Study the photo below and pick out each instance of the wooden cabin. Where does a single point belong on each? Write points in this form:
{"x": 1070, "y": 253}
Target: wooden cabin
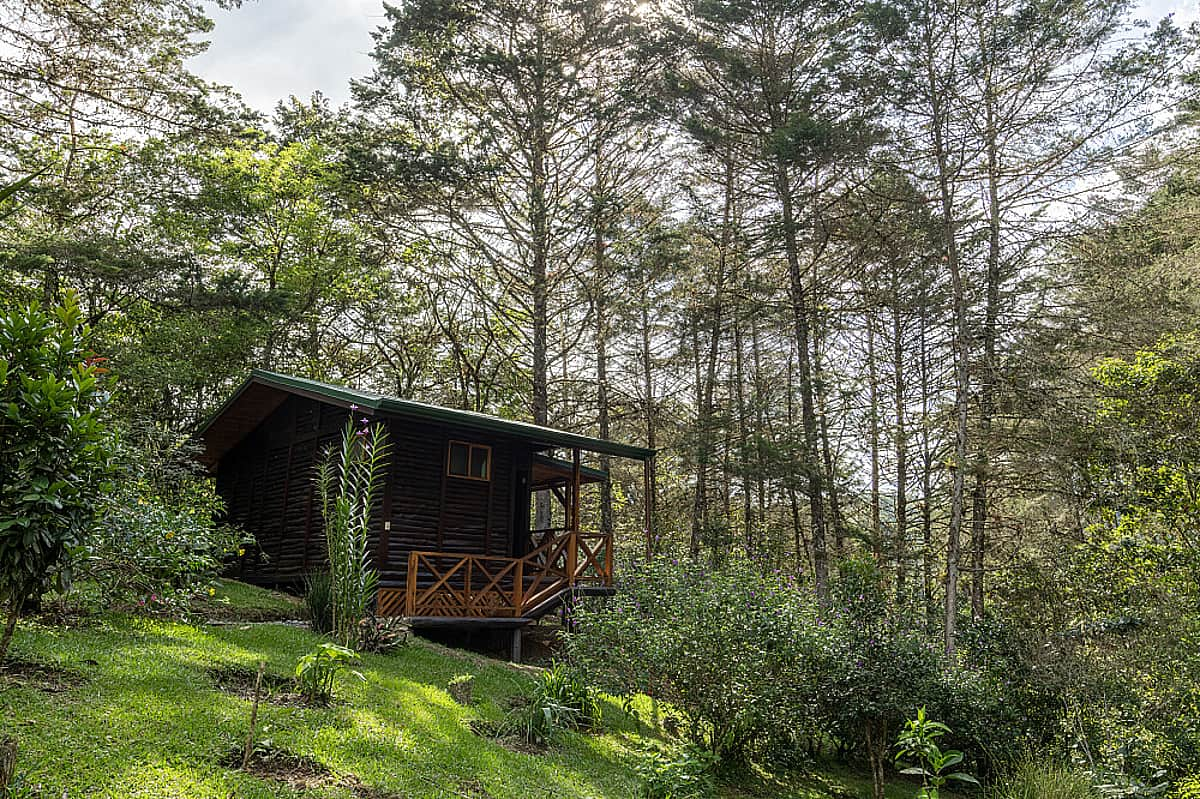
{"x": 452, "y": 536}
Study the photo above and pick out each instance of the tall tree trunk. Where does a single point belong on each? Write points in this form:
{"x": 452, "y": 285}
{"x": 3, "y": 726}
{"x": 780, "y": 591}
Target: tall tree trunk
{"x": 600, "y": 266}
{"x": 926, "y": 469}
{"x": 743, "y": 434}
{"x": 830, "y": 478}
{"x": 900, "y": 441}
{"x": 961, "y": 343}
{"x": 647, "y": 358}
{"x": 803, "y": 549}
{"x": 707, "y": 382}
{"x": 808, "y": 416}
{"x": 991, "y": 366}
{"x": 760, "y": 427}
{"x": 873, "y": 433}
{"x": 700, "y": 495}
{"x": 540, "y": 244}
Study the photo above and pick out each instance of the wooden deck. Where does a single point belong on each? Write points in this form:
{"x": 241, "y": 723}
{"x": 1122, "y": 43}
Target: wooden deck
{"x": 469, "y": 586}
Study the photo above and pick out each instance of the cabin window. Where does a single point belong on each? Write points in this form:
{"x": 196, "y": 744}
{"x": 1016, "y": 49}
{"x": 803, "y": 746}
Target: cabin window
{"x": 470, "y": 461}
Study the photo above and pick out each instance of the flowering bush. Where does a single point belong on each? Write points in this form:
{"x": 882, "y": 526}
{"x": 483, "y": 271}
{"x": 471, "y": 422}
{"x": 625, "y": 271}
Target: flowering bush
{"x": 157, "y": 541}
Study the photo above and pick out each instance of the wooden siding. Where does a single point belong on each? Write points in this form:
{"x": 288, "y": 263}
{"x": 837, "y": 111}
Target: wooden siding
{"x": 266, "y": 481}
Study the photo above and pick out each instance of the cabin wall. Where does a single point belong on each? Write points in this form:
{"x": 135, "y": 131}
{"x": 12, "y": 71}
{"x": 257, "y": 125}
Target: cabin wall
{"x": 267, "y": 485}
{"x": 432, "y": 511}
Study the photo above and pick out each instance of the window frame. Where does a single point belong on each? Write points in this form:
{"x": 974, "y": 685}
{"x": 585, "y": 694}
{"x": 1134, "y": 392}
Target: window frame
{"x": 471, "y": 447}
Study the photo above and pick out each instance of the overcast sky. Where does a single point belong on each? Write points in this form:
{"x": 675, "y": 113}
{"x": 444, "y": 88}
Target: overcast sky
{"x": 270, "y": 49}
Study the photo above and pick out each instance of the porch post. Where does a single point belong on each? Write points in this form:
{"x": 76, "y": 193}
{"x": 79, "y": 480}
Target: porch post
{"x": 410, "y": 594}
{"x": 573, "y": 545}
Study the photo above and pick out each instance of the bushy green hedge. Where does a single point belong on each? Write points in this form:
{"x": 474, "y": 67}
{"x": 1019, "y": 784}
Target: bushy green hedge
{"x": 753, "y": 665}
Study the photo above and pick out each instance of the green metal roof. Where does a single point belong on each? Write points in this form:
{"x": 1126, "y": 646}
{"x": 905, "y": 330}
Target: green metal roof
{"x": 418, "y": 410}
{"x": 594, "y": 475}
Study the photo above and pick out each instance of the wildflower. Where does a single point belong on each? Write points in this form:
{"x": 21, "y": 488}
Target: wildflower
{"x": 354, "y": 407}
{"x": 211, "y": 591}
{"x": 241, "y": 551}
{"x": 365, "y": 420}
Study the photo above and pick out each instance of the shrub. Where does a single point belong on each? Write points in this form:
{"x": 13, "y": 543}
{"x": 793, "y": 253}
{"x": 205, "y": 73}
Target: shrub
{"x": 316, "y": 671}
{"x": 54, "y": 449}
{"x": 558, "y": 700}
{"x": 156, "y": 540}
{"x": 685, "y": 774}
{"x": 536, "y": 721}
{"x": 382, "y": 634}
{"x": 347, "y": 490}
{"x": 1043, "y": 779}
{"x": 318, "y": 601}
{"x": 872, "y": 671}
{"x": 566, "y": 687}
{"x": 919, "y": 742}
{"x": 718, "y": 646}
{"x": 755, "y": 669}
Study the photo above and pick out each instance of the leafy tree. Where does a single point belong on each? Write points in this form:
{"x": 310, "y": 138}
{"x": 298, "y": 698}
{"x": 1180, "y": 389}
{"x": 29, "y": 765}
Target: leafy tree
{"x": 55, "y": 449}
{"x": 765, "y": 84}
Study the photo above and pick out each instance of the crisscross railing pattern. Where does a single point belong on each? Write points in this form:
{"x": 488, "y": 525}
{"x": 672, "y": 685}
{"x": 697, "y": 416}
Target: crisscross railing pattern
{"x": 487, "y": 586}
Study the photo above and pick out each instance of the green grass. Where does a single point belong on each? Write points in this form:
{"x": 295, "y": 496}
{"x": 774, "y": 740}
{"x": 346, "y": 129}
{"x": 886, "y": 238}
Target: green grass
{"x": 238, "y": 601}
{"x": 142, "y": 717}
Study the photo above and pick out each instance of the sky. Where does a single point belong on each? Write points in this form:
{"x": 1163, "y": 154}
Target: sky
{"x": 268, "y": 50}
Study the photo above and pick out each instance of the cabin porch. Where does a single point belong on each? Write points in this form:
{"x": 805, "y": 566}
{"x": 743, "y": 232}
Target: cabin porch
{"x": 444, "y": 589}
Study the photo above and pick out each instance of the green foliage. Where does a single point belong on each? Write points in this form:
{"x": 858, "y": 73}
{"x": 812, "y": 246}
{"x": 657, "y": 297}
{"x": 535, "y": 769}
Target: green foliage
{"x": 751, "y": 662}
{"x": 382, "y": 634}
{"x": 919, "y": 741}
{"x": 1031, "y": 778}
{"x": 559, "y": 700}
{"x": 318, "y": 601}
{"x": 1188, "y": 788}
{"x": 683, "y": 774}
{"x": 316, "y": 671}
{"x": 347, "y": 489}
{"x": 715, "y": 645}
{"x": 1126, "y": 603}
{"x": 159, "y": 542}
{"x": 564, "y": 686}
{"x": 55, "y": 450}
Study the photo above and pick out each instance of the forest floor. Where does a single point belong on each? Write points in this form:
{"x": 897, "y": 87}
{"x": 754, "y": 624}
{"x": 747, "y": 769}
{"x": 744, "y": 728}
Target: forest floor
{"x": 120, "y": 705}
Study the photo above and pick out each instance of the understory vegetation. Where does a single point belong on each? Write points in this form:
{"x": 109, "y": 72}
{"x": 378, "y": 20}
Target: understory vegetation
{"x": 128, "y": 705}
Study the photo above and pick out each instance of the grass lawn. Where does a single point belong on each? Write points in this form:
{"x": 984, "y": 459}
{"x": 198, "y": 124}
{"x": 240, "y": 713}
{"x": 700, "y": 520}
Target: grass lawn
{"x": 129, "y": 707}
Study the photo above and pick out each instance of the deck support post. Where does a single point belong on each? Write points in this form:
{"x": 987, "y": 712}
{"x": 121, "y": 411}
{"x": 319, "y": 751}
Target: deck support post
{"x": 573, "y": 550}
{"x": 515, "y": 646}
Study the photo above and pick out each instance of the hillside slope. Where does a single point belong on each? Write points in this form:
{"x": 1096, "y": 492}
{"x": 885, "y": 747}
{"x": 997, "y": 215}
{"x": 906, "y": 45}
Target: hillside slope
{"x": 129, "y": 706}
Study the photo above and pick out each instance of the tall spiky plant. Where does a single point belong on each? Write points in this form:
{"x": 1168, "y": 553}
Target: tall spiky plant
{"x": 348, "y": 479}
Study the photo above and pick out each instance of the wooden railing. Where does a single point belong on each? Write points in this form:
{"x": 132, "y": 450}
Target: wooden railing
{"x": 460, "y": 585}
